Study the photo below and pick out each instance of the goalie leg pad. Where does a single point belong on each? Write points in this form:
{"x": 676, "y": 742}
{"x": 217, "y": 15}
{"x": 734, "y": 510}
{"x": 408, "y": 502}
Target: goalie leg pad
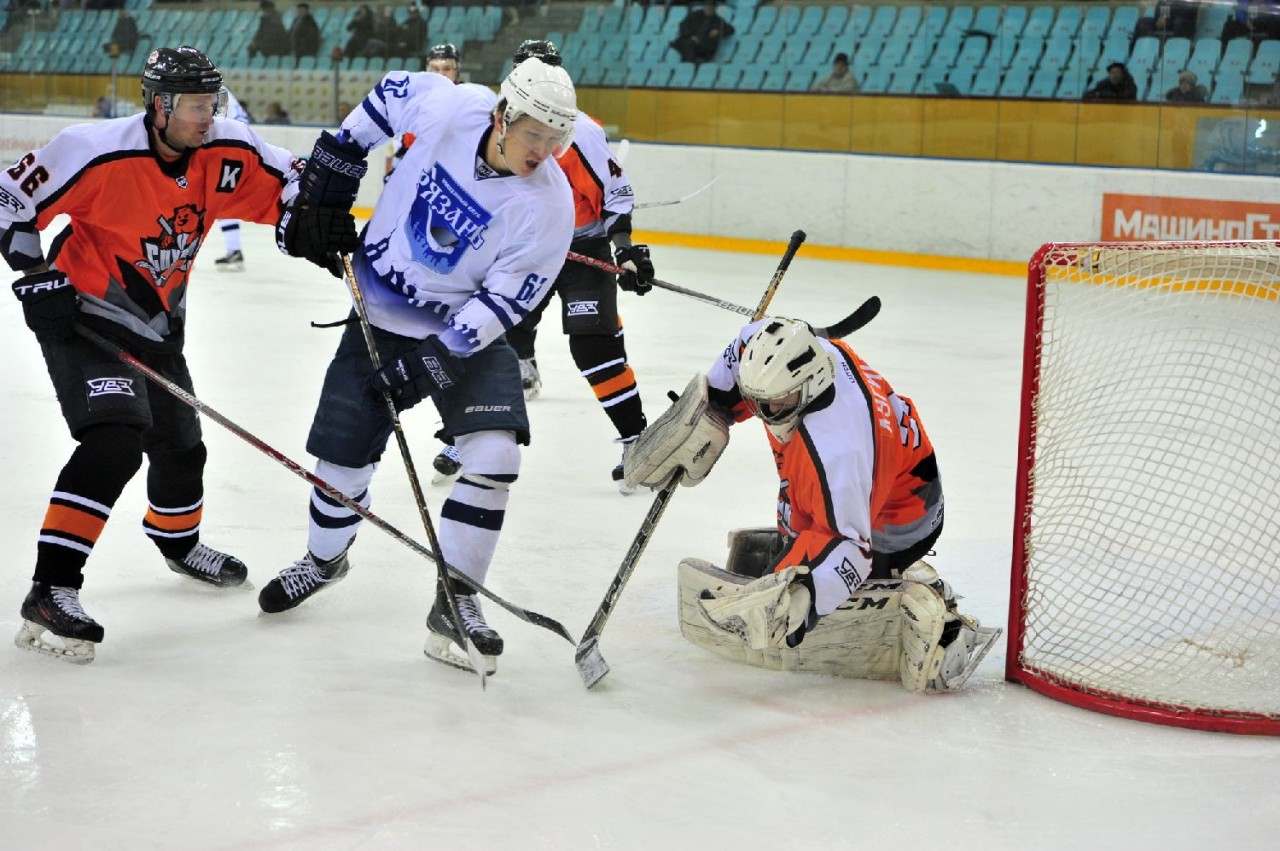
{"x": 687, "y": 436}
{"x": 924, "y": 615}
{"x": 862, "y": 638}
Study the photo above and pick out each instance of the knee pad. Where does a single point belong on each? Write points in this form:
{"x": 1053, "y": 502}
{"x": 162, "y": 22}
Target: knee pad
{"x": 489, "y": 458}
{"x": 351, "y": 481}
{"x": 116, "y": 450}
{"x": 189, "y": 461}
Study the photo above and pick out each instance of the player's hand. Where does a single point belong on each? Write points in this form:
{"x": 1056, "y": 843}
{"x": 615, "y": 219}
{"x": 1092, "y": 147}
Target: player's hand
{"x": 637, "y": 276}
{"x": 50, "y": 304}
{"x": 318, "y": 234}
{"x": 429, "y": 371}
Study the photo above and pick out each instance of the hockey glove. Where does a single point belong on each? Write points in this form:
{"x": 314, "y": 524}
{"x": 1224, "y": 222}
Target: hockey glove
{"x": 318, "y": 234}
{"x": 430, "y": 370}
{"x": 49, "y": 303}
{"x": 333, "y": 172}
{"x": 637, "y": 276}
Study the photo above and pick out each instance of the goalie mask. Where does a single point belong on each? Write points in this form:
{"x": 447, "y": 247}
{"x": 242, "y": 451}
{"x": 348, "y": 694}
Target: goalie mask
{"x": 544, "y": 93}
{"x": 783, "y": 369}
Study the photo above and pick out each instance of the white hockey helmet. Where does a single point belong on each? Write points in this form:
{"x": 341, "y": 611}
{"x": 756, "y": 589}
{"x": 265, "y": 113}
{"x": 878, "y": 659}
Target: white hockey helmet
{"x": 784, "y": 368}
{"x": 544, "y": 93}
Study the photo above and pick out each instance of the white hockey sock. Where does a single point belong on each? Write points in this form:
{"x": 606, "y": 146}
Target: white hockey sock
{"x": 332, "y": 525}
{"x": 471, "y": 518}
{"x": 231, "y": 236}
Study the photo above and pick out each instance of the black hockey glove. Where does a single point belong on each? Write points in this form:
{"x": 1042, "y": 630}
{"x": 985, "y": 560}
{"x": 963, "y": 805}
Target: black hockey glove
{"x": 811, "y": 619}
{"x": 49, "y": 303}
{"x": 318, "y": 234}
{"x": 430, "y": 370}
{"x": 332, "y": 175}
{"x": 637, "y": 276}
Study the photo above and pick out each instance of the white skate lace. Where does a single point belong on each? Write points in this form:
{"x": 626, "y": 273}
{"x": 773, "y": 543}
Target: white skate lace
{"x": 301, "y": 576}
{"x": 68, "y": 600}
{"x": 205, "y": 559}
{"x": 469, "y": 611}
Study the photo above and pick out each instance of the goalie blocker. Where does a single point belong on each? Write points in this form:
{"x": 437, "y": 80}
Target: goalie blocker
{"x": 908, "y": 628}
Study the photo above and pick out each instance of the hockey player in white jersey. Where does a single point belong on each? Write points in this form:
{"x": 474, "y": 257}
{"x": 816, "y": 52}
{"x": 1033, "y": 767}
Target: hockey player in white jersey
{"x": 465, "y": 239}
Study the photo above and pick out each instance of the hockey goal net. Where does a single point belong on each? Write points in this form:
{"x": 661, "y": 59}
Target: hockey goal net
{"x": 1146, "y": 553}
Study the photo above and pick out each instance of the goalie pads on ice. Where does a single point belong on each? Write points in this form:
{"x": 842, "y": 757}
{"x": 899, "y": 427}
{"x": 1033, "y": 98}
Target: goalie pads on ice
{"x": 869, "y": 636}
{"x": 688, "y": 435}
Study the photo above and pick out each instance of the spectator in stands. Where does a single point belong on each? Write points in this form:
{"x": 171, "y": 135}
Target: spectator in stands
{"x": 1186, "y": 91}
{"x": 124, "y": 35}
{"x": 700, "y": 35}
{"x": 304, "y": 33}
{"x": 384, "y": 34}
{"x": 1117, "y": 85}
{"x": 102, "y": 108}
{"x": 276, "y": 114}
{"x": 1171, "y": 19}
{"x": 271, "y": 39}
{"x": 840, "y": 80}
{"x": 411, "y": 36}
{"x": 361, "y": 28}
{"x": 1256, "y": 19}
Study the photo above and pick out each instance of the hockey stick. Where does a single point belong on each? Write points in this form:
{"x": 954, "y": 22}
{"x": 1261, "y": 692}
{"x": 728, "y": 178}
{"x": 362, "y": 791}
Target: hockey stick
{"x": 677, "y": 200}
{"x": 606, "y": 266}
{"x": 526, "y": 615}
{"x": 591, "y": 665}
{"x": 451, "y": 599}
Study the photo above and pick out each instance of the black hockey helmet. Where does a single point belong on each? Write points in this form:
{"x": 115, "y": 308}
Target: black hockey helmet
{"x": 444, "y": 51}
{"x": 539, "y": 47}
{"x": 178, "y": 70}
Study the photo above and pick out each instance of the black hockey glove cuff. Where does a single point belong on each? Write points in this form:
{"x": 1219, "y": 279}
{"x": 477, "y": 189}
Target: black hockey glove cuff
{"x": 637, "y": 275}
{"x": 318, "y": 234}
{"x": 429, "y": 371}
{"x": 333, "y": 173}
{"x": 49, "y": 303}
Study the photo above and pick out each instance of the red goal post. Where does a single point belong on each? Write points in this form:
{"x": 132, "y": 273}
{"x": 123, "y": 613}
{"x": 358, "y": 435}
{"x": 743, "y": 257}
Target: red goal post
{"x": 1146, "y": 549}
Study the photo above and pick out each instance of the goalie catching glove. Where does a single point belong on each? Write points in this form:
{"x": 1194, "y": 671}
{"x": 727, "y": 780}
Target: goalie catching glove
{"x": 773, "y": 611}
{"x": 690, "y": 435}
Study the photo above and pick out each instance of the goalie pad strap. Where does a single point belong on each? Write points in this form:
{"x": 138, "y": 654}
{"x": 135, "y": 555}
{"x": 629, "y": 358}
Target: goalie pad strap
{"x": 689, "y": 435}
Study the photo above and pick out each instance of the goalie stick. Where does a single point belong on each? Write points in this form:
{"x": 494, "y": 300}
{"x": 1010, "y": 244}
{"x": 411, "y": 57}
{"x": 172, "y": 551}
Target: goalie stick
{"x": 526, "y": 615}
{"x": 591, "y": 664}
{"x": 415, "y": 484}
{"x": 860, "y": 317}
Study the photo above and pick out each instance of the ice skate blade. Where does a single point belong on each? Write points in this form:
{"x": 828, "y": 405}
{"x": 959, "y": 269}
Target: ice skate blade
{"x": 73, "y": 650}
{"x": 442, "y": 649}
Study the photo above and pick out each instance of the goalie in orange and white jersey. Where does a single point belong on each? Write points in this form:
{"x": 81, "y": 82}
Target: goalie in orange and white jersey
{"x": 839, "y": 585}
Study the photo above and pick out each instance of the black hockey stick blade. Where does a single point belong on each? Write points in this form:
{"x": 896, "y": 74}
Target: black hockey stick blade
{"x": 853, "y": 322}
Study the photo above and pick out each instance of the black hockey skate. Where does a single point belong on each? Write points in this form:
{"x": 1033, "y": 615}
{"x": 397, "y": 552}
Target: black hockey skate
{"x": 208, "y": 565}
{"x": 447, "y": 465}
{"x": 446, "y": 646}
{"x": 300, "y": 580}
{"x": 56, "y": 610}
{"x": 233, "y": 261}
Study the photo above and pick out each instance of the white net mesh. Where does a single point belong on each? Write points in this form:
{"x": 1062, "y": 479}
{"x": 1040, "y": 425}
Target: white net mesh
{"x": 1152, "y": 547}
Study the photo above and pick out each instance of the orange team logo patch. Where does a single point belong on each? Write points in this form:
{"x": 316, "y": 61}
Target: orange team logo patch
{"x": 174, "y": 249}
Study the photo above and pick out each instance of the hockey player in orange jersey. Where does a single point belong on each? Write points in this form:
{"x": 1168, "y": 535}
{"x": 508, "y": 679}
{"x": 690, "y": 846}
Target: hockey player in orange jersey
{"x": 859, "y": 504}
{"x": 142, "y": 193}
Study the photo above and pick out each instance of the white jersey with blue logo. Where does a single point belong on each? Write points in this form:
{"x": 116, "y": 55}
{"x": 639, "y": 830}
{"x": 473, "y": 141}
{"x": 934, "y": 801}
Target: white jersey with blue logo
{"x": 454, "y": 249}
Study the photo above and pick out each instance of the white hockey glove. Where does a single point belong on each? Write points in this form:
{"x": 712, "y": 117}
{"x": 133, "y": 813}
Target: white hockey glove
{"x": 690, "y": 435}
{"x": 773, "y": 611}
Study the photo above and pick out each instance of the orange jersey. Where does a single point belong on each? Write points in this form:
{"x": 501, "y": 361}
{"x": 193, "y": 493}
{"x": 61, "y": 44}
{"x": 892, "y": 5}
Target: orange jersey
{"x": 602, "y": 195}
{"x": 137, "y": 221}
{"x": 857, "y": 475}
